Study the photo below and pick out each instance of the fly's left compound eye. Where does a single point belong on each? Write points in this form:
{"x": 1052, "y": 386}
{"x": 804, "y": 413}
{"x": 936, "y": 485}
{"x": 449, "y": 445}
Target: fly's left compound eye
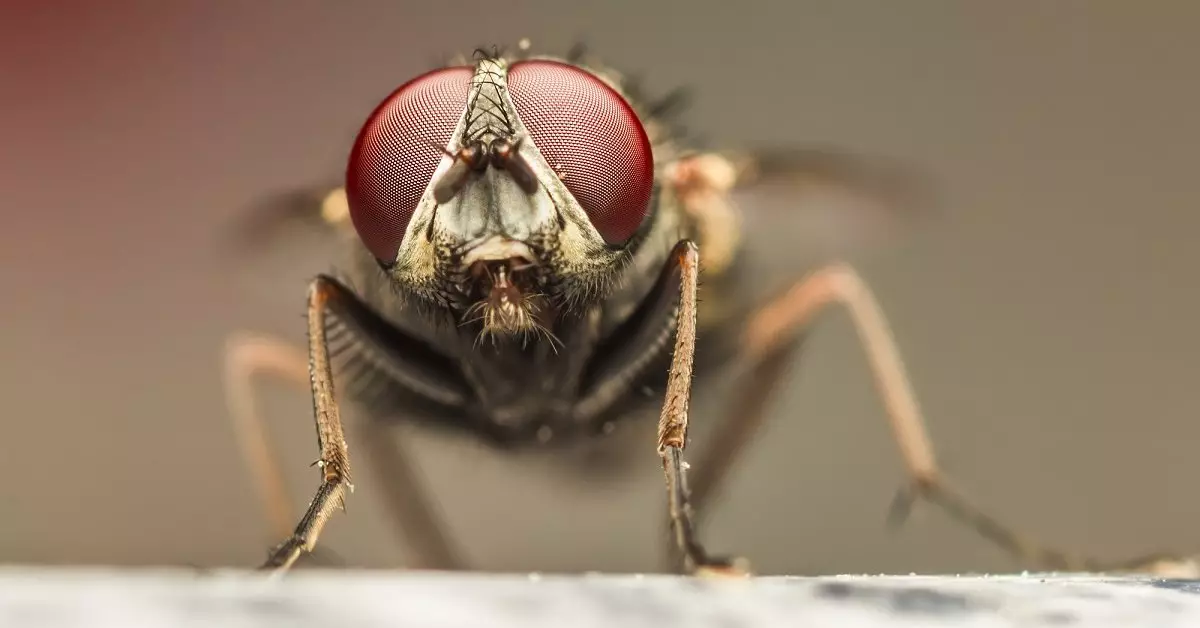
{"x": 397, "y": 152}
{"x": 591, "y": 136}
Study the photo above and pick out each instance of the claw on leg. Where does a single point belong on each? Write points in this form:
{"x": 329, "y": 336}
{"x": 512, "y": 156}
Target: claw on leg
{"x": 1024, "y": 548}
{"x": 673, "y": 424}
{"x": 770, "y": 341}
{"x": 414, "y": 510}
{"x": 334, "y": 462}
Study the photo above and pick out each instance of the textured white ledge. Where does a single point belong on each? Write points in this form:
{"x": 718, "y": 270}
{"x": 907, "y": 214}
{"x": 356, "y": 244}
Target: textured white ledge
{"x": 37, "y": 597}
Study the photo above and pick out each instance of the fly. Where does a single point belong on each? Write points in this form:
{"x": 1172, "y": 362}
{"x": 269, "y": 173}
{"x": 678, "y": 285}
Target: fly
{"x": 527, "y": 237}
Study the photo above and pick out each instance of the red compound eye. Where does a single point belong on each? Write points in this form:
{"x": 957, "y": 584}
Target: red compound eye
{"x": 396, "y": 154}
{"x": 591, "y": 137}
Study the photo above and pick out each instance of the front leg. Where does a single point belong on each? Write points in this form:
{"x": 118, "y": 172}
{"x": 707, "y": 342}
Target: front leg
{"x": 417, "y": 521}
{"x": 673, "y": 421}
{"x": 369, "y": 342}
{"x": 335, "y": 456}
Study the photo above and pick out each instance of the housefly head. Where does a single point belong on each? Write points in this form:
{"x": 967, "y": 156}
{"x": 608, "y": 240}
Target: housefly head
{"x": 502, "y": 191}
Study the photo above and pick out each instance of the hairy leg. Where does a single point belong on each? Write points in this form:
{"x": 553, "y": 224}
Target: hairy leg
{"x": 673, "y": 421}
{"x": 771, "y": 340}
{"x": 251, "y": 355}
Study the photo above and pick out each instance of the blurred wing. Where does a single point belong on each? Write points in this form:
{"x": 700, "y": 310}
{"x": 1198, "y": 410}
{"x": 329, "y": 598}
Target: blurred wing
{"x": 278, "y": 219}
{"x": 800, "y": 209}
{"x": 816, "y": 205}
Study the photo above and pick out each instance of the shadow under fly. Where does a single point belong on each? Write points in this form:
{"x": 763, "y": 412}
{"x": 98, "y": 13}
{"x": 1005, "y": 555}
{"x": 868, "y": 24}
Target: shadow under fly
{"x": 536, "y": 253}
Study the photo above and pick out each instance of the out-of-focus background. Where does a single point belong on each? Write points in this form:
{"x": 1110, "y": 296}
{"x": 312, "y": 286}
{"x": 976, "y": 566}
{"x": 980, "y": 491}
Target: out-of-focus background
{"x": 1047, "y": 314}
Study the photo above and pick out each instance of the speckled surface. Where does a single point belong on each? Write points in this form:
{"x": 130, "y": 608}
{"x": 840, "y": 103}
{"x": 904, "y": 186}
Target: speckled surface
{"x": 130, "y": 598}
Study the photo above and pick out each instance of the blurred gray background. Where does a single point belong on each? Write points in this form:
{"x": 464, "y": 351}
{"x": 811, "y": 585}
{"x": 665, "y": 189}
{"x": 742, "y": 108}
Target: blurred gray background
{"x": 1047, "y": 315}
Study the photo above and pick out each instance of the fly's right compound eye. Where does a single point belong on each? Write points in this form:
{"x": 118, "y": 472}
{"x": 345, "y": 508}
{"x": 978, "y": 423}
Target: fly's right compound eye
{"x": 397, "y": 152}
{"x": 585, "y": 127}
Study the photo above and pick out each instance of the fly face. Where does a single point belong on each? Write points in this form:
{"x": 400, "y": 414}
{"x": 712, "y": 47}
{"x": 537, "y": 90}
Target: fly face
{"x": 506, "y": 193}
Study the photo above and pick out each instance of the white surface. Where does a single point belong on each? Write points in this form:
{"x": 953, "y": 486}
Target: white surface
{"x": 67, "y": 598}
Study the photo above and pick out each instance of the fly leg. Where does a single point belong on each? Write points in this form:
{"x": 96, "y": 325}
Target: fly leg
{"x": 769, "y": 342}
{"x": 673, "y": 421}
{"x": 248, "y": 356}
{"x": 251, "y": 355}
{"x": 334, "y": 461}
